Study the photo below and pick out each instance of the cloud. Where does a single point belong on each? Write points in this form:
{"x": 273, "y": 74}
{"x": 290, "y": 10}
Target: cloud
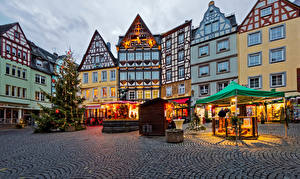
{"x": 58, "y": 25}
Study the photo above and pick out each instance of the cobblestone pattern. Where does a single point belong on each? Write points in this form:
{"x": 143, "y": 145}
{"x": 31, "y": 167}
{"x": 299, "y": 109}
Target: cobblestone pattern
{"x": 91, "y": 154}
{"x": 279, "y": 129}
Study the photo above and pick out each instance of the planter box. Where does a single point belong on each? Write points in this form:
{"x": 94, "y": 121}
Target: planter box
{"x": 70, "y": 129}
{"x": 174, "y": 136}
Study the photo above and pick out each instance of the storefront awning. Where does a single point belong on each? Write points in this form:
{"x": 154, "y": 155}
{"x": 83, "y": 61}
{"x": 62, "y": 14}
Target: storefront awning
{"x": 121, "y": 102}
{"x": 181, "y": 101}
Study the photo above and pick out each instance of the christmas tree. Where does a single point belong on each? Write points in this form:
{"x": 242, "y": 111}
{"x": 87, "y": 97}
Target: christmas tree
{"x": 66, "y": 102}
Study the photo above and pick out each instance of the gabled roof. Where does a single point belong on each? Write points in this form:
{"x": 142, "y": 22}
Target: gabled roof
{"x": 232, "y": 20}
{"x": 6, "y": 27}
{"x": 186, "y": 23}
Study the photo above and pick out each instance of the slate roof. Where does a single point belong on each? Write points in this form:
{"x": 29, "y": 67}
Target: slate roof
{"x": 232, "y": 20}
{"x": 6, "y": 27}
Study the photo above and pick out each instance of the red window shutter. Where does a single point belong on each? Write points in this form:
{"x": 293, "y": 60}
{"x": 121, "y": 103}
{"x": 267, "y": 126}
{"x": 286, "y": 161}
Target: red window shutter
{"x": 298, "y": 79}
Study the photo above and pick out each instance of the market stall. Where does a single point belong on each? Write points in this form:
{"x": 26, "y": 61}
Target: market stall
{"x": 242, "y": 106}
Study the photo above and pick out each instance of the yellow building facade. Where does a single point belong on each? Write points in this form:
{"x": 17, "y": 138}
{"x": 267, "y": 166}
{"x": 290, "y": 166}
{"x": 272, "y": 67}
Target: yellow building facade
{"x": 268, "y": 47}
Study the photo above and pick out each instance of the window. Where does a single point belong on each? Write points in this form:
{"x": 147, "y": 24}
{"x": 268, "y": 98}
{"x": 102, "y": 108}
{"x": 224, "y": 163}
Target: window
{"x": 277, "y": 55}
{"x": 104, "y": 76}
{"x": 140, "y": 94}
{"x": 155, "y": 75}
{"x": 24, "y": 55}
{"x": 87, "y": 94}
{"x": 13, "y": 70}
{"x": 95, "y": 93}
{"x": 85, "y": 77}
{"x": 112, "y": 75}
{"x": 39, "y": 63}
{"x": 181, "y": 72}
{"x": 7, "y": 69}
{"x": 255, "y": 82}
{"x": 180, "y": 38}
{"x": 17, "y": 35}
{"x": 95, "y": 77}
{"x": 37, "y": 95}
{"x": 97, "y": 44}
{"x": 168, "y": 60}
{"x": 169, "y": 75}
{"x": 223, "y": 45}
{"x": 222, "y": 85}
{"x": 122, "y": 56}
{"x": 223, "y": 67}
{"x": 254, "y": 59}
{"x": 131, "y": 76}
{"x": 96, "y": 59}
{"x": 147, "y": 75}
{"x": 139, "y": 75}
{"x": 266, "y": 11}
{"x": 139, "y": 56}
{"x": 181, "y": 89}
{"x": 203, "y": 90}
{"x": 147, "y": 56}
{"x": 147, "y": 94}
{"x": 203, "y": 71}
{"x": 18, "y": 92}
{"x": 254, "y": 38}
{"x": 8, "y": 49}
{"x": 169, "y": 91}
{"x": 131, "y": 56}
{"x": 155, "y": 55}
{"x": 123, "y": 76}
{"x": 180, "y": 55}
{"x": 112, "y": 92}
{"x": 19, "y": 53}
{"x": 7, "y": 90}
{"x": 14, "y": 51}
{"x": 215, "y": 26}
{"x": 155, "y": 94}
{"x": 13, "y": 91}
{"x": 168, "y": 44}
{"x": 278, "y": 80}
{"x": 24, "y": 73}
{"x": 37, "y": 78}
{"x": 19, "y": 72}
{"x": 131, "y": 95}
{"x": 43, "y": 80}
{"x": 203, "y": 51}
{"x": 104, "y": 92}
{"x": 277, "y": 33}
{"x": 24, "y": 93}
{"x": 207, "y": 29}
{"x": 42, "y": 96}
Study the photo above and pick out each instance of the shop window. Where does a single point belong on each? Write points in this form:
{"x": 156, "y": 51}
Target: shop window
{"x": 169, "y": 75}
{"x": 112, "y": 92}
{"x": 203, "y": 51}
{"x": 204, "y": 71}
{"x": 140, "y": 94}
{"x": 223, "y": 67}
{"x": 277, "y": 55}
{"x": 254, "y": 59}
{"x": 112, "y": 75}
{"x": 222, "y": 85}
{"x": 181, "y": 38}
{"x": 278, "y": 80}
{"x": 255, "y": 82}
{"x": 85, "y": 77}
{"x": 181, "y": 88}
{"x": 180, "y": 55}
{"x": 95, "y": 77}
{"x": 203, "y": 90}
{"x": 181, "y": 72}
{"x": 277, "y": 33}
{"x": 169, "y": 91}
{"x": 155, "y": 94}
{"x": 104, "y": 76}
{"x": 254, "y": 38}
{"x": 223, "y": 45}
{"x": 7, "y": 69}
{"x": 147, "y": 94}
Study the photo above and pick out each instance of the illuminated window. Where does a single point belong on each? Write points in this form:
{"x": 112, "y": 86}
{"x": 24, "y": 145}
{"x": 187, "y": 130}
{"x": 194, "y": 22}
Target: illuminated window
{"x": 140, "y": 94}
{"x": 155, "y": 94}
{"x": 169, "y": 91}
{"x": 87, "y": 94}
{"x": 95, "y": 77}
{"x": 104, "y": 92}
{"x": 147, "y": 94}
{"x": 112, "y": 92}
{"x": 181, "y": 88}
{"x": 95, "y": 93}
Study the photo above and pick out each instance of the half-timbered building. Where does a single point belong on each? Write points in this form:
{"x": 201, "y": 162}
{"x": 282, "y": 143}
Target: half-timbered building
{"x": 139, "y": 63}
{"x": 268, "y": 46}
{"x": 214, "y": 62}
{"x": 175, "y": 67}
{"x": 98, "y": 72}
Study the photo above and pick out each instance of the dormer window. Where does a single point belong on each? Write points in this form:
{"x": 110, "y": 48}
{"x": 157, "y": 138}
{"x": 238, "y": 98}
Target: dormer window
{"x": 39, "y": 63}
{"x": 17, "y": 35}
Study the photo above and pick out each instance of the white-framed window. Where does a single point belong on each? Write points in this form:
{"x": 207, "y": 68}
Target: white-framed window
{"x": 122, "y": 56}
{"x": 223, "y": 45}
{"x": 147, "y": 94}
{"x": 130, "y": 56}
{"x": 112, "y": 75}
{"x": 203, "y": 90}
{"x": 131, "y": 76}
{"x": 180, "y": 38}
{"x": 277, "y": 55}
{"x": 39, "y": 63}
{"x": 123, "y": 75}
{"x": 112, "y": 92}
{"x": 222, "y": 85}
{"x": 95, "y": 77}
{"x": 181, "y": 88}
{"x": 131, "y": 95}
{"x": 85, "y": 77}
{"x": 277, "y": 32}
{"x": 155, "y": 94}
{"x": 203, "y": 50}
{"x": 266, "y": 11}
{"x": 147, "y": 55}
{"x": 168, "y": 44}
{"x": 104, "y": 92}
{"x": 43, "y": 80}
{"x": 155, "y": 75}
{"x": 139, "y": 75}
{"x": 204, "y": 70}
{"x": 255, "y": 82}
{"x": 277, "y": 80}
{"x": 140, "y": 94}
{"x": 104, "y": 76}
{"x": 169, "y": 91}
{"x": 147, "y": 75}
{"x": 37, "y": 78}
{"x": 180, "y": 55}
{"x": 254, "y": 59}
{"x": 181, "y": 72}
{"x": 254, "y": 38}
{"x": 155, "y": 55}
{"x": 169, "y": 75}
{"x": 168, "y": 60}
{"x": 223, "y": 67}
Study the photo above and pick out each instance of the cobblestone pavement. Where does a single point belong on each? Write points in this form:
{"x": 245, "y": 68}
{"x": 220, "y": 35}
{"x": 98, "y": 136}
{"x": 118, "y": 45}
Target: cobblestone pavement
{"x": 91, "y": 154}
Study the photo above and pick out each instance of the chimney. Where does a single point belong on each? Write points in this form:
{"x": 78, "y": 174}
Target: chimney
{"x": 55, "y": 54}
{"x": 108, "y": 46}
